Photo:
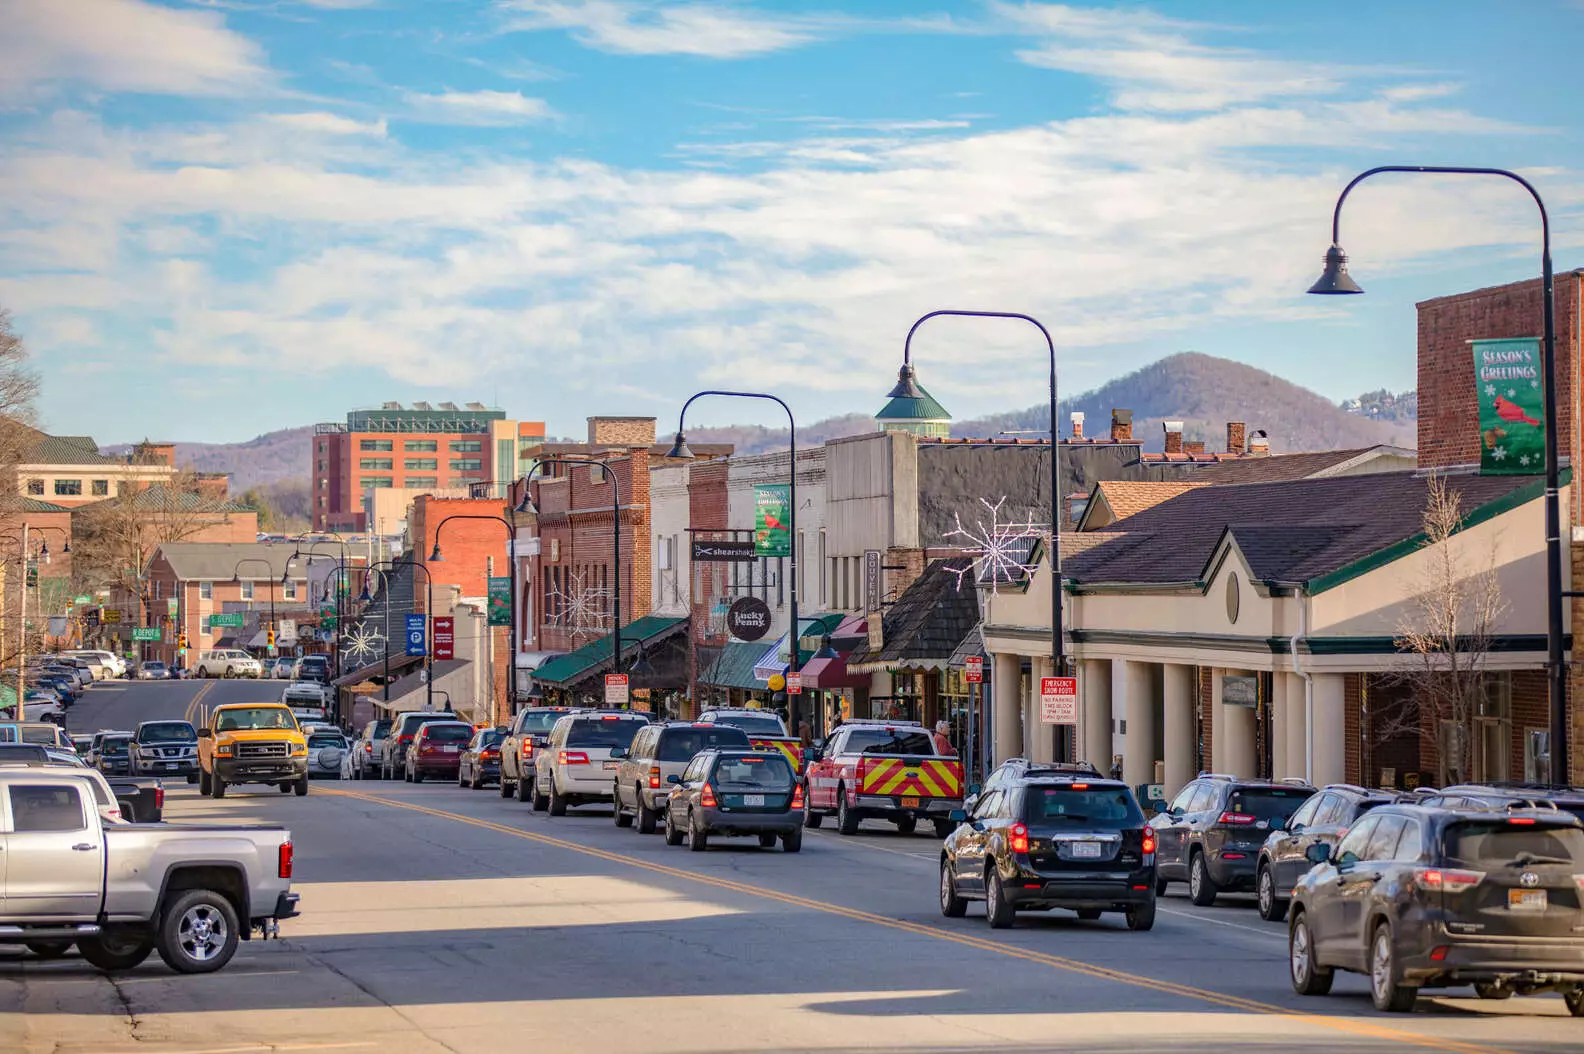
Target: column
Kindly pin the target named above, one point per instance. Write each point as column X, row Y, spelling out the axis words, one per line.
column 1095, row 684
column 1178, row 726
column 1280, row 766
column 1237, row 726
column 1218, row 744
column 1297, row 725
column 1040, row 746
column 1007, row 702
column 1330, row 737
column 1138, row 745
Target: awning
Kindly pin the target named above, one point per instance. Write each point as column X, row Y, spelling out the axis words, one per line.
column 594, row 658
column 831, row 674
column 398, row 663
column 815, row 629
column 411, row 691
column 734, row 668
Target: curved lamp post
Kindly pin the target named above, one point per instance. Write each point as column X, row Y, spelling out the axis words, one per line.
column 511, row 569
column 341, row 566
column 1336, row 280
column 365, row 598
column 235, row 577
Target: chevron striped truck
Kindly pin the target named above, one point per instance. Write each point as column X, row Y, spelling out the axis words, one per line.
column 883, row 770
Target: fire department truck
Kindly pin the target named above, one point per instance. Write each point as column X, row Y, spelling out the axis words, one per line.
column 885, row 770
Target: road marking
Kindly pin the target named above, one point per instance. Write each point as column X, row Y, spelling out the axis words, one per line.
column 1362, row 1028
column 192, row 707
column 1263, row 932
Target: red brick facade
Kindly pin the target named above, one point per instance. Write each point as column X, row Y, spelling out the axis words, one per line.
column 471, row 551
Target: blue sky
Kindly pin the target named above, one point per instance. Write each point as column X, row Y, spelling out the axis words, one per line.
column 220, row 217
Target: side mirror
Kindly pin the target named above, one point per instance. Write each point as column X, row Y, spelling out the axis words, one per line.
column 1318, row 853
column 204, row 733
column 958, row 815
column 673, row 778
column 974, row 789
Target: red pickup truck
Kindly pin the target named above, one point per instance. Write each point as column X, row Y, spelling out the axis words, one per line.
column 887, row 770
column 765, row 731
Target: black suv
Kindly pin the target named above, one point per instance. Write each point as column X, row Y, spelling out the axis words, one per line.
column 1425, row 897
column 1325, row 817
column 1057, row 841
column 1211, row 833
column 1506, row 796
column 314, row 668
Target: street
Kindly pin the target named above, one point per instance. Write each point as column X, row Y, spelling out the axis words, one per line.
column 440, row 919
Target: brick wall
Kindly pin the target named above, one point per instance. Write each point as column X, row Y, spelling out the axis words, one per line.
column 1352, row 727
column 621, row 431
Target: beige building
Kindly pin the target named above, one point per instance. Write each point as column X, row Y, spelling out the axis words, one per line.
column 70, row 471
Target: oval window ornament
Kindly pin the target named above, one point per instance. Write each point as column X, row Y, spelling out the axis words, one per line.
column 1234, row 597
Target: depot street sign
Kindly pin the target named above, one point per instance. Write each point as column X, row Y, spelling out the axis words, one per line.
column 224, row 618
column 151, row 633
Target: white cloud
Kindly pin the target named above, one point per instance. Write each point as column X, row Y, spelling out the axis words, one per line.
column 645, row 27
column 123, row 45
column 1419, row 92
column 329, row 124
column 480, row 108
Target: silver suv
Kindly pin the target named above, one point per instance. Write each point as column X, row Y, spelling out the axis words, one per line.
column 658, row 752
column 576, row 766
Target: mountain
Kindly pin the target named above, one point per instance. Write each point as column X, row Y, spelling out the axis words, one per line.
column 269, row 458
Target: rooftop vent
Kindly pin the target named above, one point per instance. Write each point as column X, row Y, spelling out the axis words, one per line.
column 448, row 406
column 422, row 406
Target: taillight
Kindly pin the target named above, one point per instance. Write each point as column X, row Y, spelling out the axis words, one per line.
column 285, row 860
column 488, row 754
column 404, row 739
column 368, row 748
column 573, row 757
column 707, row 799
column 159, row 797
column 1520, row 819
column 654, row 777
column 1149, row 840
column 527, row 748
column 797, row 796
column 1449, row 881
column 1241, row 819
column 1020, row 843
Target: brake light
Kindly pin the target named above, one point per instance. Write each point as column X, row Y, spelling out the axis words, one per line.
column 707, row 799
column 1241, row 819
column 1149, row 840
column 404, row 739
column 1438, row 954
column 797, row 800
column 654, row 777
column 368, row 748
column 610, row 717
column 159, row 797
column 488, row 754
column 573, row 757
column 1080, row 786
column 527, row 748
column 284, row 868
column 1520, row 819
column 1020, row 841
column 1449, row 881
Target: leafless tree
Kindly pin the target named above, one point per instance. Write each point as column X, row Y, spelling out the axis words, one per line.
column 19, row 386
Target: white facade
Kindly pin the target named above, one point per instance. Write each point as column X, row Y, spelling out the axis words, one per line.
column 669, row 518
column 771, row 578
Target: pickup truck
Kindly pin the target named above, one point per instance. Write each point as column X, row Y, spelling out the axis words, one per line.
column 252, row 743
column 889, row 770
column 765, row 731
column 307, row 700
column 121, row 891
column 528, row 732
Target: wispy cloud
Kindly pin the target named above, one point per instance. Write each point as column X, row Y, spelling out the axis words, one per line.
column 329, row 124
column 648, row 27
column 478, row 108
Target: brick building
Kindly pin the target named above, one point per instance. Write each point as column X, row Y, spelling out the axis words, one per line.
column 210, row 578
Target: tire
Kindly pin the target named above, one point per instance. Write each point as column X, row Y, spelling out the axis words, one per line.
column 673, row 834
column 846, row 819
column 285, row 788
column 198, row 932
column 1486, row 990
column 646, row 815
column 998, row 910
column 300, row 788
column 951, row 905
column 1271, row 907
column 1574, row 1001
column 558, row 802
column 1387, row 991
column 943, row 829
column 203, row 783
column 767, row 841
column 230, row 672
column 217, row 786
column 1141, row 917
column 476, row 782
column 698, row 840
column 507, row 790
column 49, row 949
column 1202, row 889
column 192, row 777
column 113, row 952
column 1088, row 914
column 1160, row 887
column 792, row 841
column 417, row 776
column 1308, row 976
column 811, row 819
column 622, row 817
column 907, row 824
column 540, row 801
column 523, row 789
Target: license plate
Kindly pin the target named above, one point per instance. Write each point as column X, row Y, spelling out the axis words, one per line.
column 910, row 803
column 753, row 799
column 1086, row 850
column 1526, row 900
column 449, row 750
column 172, row 765
column 612, row 765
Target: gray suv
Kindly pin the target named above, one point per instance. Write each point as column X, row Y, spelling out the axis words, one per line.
column 394, row 759
column 659, row 752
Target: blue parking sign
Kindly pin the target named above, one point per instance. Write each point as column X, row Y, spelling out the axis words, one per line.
column 416, row 644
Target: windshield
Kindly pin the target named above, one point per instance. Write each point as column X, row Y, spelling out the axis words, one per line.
column 491, row 738
column 438, row 733
column 680, row 744
column 1108, row 808
column 1268, row 803
column 254, row 717
column 890, row 741
column 381, row 729
column 114, row 747
column 769, row 772
column 411, row 723
column 753, row 724
column 42, row 736
column 1501, row 842
column 166, row 731
column 603, row 733
column 23, row 752
column 540, row 722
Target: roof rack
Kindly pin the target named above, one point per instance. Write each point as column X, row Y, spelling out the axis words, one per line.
column 1299, row 781
column 1061, row 768
column 882, row 721
column 1216, row 776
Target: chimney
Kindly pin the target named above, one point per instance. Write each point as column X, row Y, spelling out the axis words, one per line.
column 1077, row 424
column 1236, row 430
column 1121, row 425
column 1259, row 442
column 1174, row 430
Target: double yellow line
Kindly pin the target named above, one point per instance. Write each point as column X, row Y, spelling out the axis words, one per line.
column 191, row 715
column 1230, row 1002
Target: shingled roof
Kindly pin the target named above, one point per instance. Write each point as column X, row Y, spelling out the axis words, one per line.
column 66, row 450
column 928, row 621
column 1128, row 497
column 1276, row 467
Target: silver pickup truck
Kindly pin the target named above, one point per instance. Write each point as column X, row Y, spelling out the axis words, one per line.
column 121, row 891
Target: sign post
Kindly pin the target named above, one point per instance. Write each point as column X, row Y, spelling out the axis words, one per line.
column 416, row 635
column 444, row 638
column 1058, row 700
column 616, row 693
column 975, row 671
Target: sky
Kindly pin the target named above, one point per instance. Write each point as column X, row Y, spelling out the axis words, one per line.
column 222, row 217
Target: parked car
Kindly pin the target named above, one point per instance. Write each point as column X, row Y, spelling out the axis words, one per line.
column 326, row 749
column 30, row 754
column 252, row 743
column 1506, row 796
column 642, row 781
column 189, row 892
column 393, row 761
column 363, row 758
column 436, row 750
column 228, row 662
column 480, row 762
column 115, row 754
column 110, row 663
column 166, row 748
column 1325, row 817
column 576, row 766
column 285, row 668
column 314, row 668
column 736, row 792
column 308, row 700
column 1428, row 897
column 1211, row 833
column 153, row 670
column 528, row 733
column 766, row 731
column 888, row 770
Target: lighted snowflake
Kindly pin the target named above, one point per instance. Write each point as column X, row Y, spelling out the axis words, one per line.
column 1524, row 460
column 1512, row 393
column 1001, row 552
column 363, row 641
column 584, row 609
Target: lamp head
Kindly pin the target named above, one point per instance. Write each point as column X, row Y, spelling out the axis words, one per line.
column 434, row 554
column 44, row 553
column 526, row 507
column 826, row 651
column 641, row 665
column 67, row 547
column 1335, row 280
column 906, row 385
column 364, row 597
column 679, row 450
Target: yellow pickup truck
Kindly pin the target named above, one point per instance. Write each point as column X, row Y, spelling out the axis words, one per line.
column 252, row 743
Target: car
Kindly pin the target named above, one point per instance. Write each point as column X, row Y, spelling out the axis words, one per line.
column 642, row 781
column 252, row 743
column 59, row 683
column 228, row 662
column 76, row 669
column 308, row 700
column 153, row 670
column 115, row 754
column 189, row 892
column 285, row 668
column 45, row 733
column 1506, row 796
column 1013, row 769
column 326, row 749
column 313, row 668
column 393, row 762
column 362, row 760
column 165, row 748
column 1211, row 833
column 888, row 770
column 42, row 704
column 110, row 663
column 765, row 730
column 436, row 750
column 1423, row 896
column 1325, row 817
column 480, row 763
column 576, row 766
column 736, row 792
column 82, row 746
column 527, row 734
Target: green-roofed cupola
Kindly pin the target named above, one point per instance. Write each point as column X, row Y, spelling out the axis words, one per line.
column 909, row 408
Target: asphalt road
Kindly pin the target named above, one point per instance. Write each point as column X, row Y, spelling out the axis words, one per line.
column 440, row 919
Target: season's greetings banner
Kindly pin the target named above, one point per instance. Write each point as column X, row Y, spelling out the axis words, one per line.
column 1511, row 405
column 772, row 520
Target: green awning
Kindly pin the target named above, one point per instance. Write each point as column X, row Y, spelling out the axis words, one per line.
column 734, row 667
column 595, row 657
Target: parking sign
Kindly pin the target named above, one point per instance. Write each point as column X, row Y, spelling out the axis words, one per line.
column 416, row 635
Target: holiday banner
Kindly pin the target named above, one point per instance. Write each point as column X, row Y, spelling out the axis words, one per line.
column 1511, row 396
column 772, row 520
column 500, row 601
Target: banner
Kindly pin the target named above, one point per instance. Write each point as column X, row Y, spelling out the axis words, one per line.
column 1511, row 396
column 499, row 601
column 772, row 519
column 444, row 638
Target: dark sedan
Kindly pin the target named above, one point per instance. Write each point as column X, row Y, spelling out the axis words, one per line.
column 115, row 754
column 735, row 793
column 480, row 763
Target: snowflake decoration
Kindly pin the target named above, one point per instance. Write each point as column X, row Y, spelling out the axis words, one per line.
column 1524, row 460
column 1499, row 454
column 363, row 641
column 1490, row 389
column 1001, row 552
column 584, row 608
column 1534, row 384
column 1512, row 393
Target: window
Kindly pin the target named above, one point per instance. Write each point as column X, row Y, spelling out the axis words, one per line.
column 46, row 807
column 68, row 487
column 291, row 589
column 205, row 590
column 1305, row 814
column 35, row 487
column 1204, row 798
column 324, row 466
column 100, row 488
column 467, row 464
column 376, row 482
column 323, row 483
column 247, row 590
column 420, row 463
column 1268, row 803
column 1357, row 840
column 1410, row 846
column 421, row 446
column 423, row 481
column 377, row 463
column 375, row 444
column 1061, row 805
column 467, row 446
column 1383, row 843
column 822, row 567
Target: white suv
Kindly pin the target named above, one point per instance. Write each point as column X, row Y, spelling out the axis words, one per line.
column 228, row 662
column 576, row 766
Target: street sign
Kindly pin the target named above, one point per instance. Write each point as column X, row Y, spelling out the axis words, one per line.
column 150, row 633
column 975, row 671
column 415, row 635
column 81, row 601
column 224, row 618
column 794, row 683
column 111, row 615
column 444, row 638
column 1058, row 700
column 727, row 552
column 287, row 633
column 615, row 689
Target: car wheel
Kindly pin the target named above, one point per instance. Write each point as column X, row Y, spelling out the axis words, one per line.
column 792, row 841
column 846, row 819
column 673, row 834
column 114, row 950
column 203, row 783
column 1160, row 887
column 767, row 841
column 622, row 817
column 811, row 819
column 1487, row 990
column 1202, row 889
column 49, row 949
column 951, row 905
column 1574, row 1001
column 1387, row 991
column 646, row 815
column 907, row 824
column 285, row 788
column 192, row 778
column 998, row 909
column 1088, row 914
column 416, row 776
column 1308, row 976
column 540, row 801
column 943, row 828
column 507, row 790
column 198, row 932
column 1141, row 917
column 217, row 786
column 476, row 782
column 230, row 672
column 1271, row 908
column 300, row 788
column 698, row 839
column 558, row 802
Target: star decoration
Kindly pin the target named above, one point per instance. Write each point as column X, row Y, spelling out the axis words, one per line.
column 1499, row 454
column 1001, row 552
column 585, row 609
column 363, row 641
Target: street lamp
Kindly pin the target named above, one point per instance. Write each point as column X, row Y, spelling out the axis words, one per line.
column 514, row 637
column 44, row 555
column 340, row 568
column 236, row 579
column 364, row 598
column 1335, row 280
column 679, row 451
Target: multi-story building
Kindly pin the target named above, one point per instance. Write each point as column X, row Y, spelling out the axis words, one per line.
column 70, row 471
column 419, row 449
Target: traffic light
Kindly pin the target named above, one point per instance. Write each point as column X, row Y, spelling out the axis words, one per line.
column 181, row 643
column 269, row 638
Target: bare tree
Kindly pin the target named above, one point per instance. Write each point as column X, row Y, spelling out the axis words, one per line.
column 1445, row 636
column 18, row 388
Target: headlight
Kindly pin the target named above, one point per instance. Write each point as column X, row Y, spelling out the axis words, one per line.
column 222, row 750
column 299, row 749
